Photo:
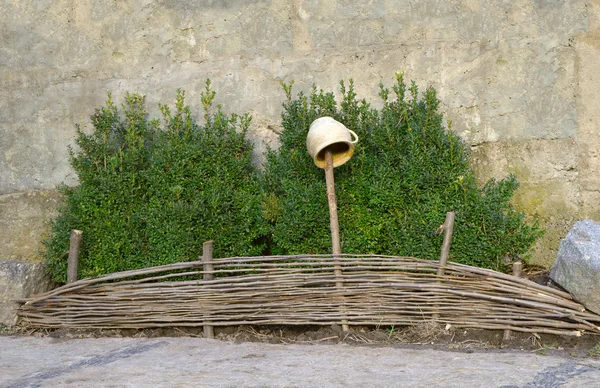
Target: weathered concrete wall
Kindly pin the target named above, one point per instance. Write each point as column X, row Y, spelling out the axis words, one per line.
column 517, row 78
column 19, row 280
column 24, row 218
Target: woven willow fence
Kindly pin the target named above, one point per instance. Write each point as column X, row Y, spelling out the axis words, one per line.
column 303, row 290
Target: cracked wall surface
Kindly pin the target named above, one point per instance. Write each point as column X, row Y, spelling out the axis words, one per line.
column 519, row 80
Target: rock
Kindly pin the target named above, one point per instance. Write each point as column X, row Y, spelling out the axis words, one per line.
column 577, row 266
column 19, row 280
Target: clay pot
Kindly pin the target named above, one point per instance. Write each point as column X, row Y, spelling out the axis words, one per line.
column 327, row 133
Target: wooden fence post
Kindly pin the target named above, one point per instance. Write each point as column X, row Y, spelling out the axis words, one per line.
column 448, row 228
column 73, row 261
column 516, row 271
column 334, row 226
column 207, row 255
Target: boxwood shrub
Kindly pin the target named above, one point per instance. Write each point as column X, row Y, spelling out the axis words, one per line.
column 408, row 170
column 151, row 192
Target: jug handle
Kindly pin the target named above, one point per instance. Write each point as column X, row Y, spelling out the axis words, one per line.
column 355, row 136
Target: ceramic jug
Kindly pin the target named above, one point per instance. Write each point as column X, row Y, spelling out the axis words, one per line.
column 326, row 132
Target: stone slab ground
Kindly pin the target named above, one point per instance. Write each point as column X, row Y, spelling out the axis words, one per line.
column 195, row 362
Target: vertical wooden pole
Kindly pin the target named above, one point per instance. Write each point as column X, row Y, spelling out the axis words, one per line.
column 73, row 261
column 333, row 216
column 334, row 224
column 207, row 255
column 517, row 267
column 448, row 227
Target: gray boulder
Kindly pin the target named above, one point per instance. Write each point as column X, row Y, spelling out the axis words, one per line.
column 577, row 266
column 19, row 280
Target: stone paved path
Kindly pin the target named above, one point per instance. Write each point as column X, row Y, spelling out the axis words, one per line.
column 193, row 362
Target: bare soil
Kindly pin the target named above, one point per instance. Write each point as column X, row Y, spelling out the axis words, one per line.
column 429, row 335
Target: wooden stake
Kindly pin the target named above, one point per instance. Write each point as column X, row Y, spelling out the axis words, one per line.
column 332, row 200
column 334, row 223
column 73, row 261
column 516, row 270
column 448, row 228
column 207, row 255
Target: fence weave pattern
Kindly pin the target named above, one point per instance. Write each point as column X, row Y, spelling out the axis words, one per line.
column 302, row 290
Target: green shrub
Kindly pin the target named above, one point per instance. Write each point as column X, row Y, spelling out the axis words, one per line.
column 151, row 193
column 406, row 173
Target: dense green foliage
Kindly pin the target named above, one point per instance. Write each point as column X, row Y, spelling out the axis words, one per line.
column 151, row 193
column 406, row 173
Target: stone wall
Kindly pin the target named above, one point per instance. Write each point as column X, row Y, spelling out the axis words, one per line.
column 19, row 280
column 518, row 79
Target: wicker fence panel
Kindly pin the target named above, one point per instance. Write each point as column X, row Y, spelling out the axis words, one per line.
column 303, row 290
